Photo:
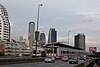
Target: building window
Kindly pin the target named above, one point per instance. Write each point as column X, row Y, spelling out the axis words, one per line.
column 61, row 52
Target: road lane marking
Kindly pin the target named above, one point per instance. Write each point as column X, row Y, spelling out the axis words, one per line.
column 40, row 64
column 56, row 65
column 62, row 64
column 59, row 65
column 27, row 66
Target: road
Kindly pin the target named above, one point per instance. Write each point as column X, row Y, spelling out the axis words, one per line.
column 58, row 63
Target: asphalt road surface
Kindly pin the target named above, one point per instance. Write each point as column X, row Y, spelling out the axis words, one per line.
column 58, row 63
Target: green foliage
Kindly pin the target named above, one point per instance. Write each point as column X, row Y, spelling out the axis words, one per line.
column 96, row 54
column 1, row 53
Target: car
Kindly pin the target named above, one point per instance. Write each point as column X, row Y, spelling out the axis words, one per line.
column 73, row 60
column 64, row 58
column 49, row 59
column 81, row 58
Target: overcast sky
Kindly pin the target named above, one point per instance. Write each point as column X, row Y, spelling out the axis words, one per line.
column 78, row 16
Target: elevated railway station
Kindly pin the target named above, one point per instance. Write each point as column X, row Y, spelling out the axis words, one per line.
column 59, row 49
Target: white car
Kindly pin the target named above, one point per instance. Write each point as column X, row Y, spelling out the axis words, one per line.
column 50, row 59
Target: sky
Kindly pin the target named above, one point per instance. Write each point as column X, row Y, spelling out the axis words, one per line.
column 77, row 16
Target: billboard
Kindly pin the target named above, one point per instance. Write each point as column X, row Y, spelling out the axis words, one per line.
column 91, row 49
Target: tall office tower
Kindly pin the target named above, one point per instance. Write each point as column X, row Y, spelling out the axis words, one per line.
column 42, row 39
column 52, row 35
column 80, row 41
column 31, row 34
column 4, row 24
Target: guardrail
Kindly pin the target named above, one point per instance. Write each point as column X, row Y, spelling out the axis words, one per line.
column 19, row 60
column 94, row 63
column 5, row 61
column 85, row 64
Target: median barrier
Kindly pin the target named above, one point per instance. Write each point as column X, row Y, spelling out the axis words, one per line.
column 6, row 61
column 84, row 64
column 20, row 60
column 79, row 65
column 94, row 63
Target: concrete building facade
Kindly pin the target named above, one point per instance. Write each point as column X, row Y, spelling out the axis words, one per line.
column 16, row 49
column 4, row 24
column 80, row 41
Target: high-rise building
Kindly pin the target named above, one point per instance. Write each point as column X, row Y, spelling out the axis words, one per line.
column 42, row 39
column 31, row 33
column 4, row 24
column 80, row 41
column 21, row 38
column 52, row 35
column 24, row 39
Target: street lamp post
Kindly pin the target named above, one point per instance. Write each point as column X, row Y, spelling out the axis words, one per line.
column 38, row 15
column 68, row 41
column 37, row 32
column 68, row 36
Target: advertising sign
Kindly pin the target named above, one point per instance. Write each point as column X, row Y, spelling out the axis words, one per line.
column 91, row 49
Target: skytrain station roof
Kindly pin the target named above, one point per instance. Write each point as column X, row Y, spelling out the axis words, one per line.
column 58, row 44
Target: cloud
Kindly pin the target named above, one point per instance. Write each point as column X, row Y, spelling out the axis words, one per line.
column 59, row 19
column 41, row 27
column 94, row 15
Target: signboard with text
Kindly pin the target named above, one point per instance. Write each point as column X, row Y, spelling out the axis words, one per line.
column 91, row 49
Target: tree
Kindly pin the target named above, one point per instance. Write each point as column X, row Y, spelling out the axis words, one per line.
column 96, row 54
